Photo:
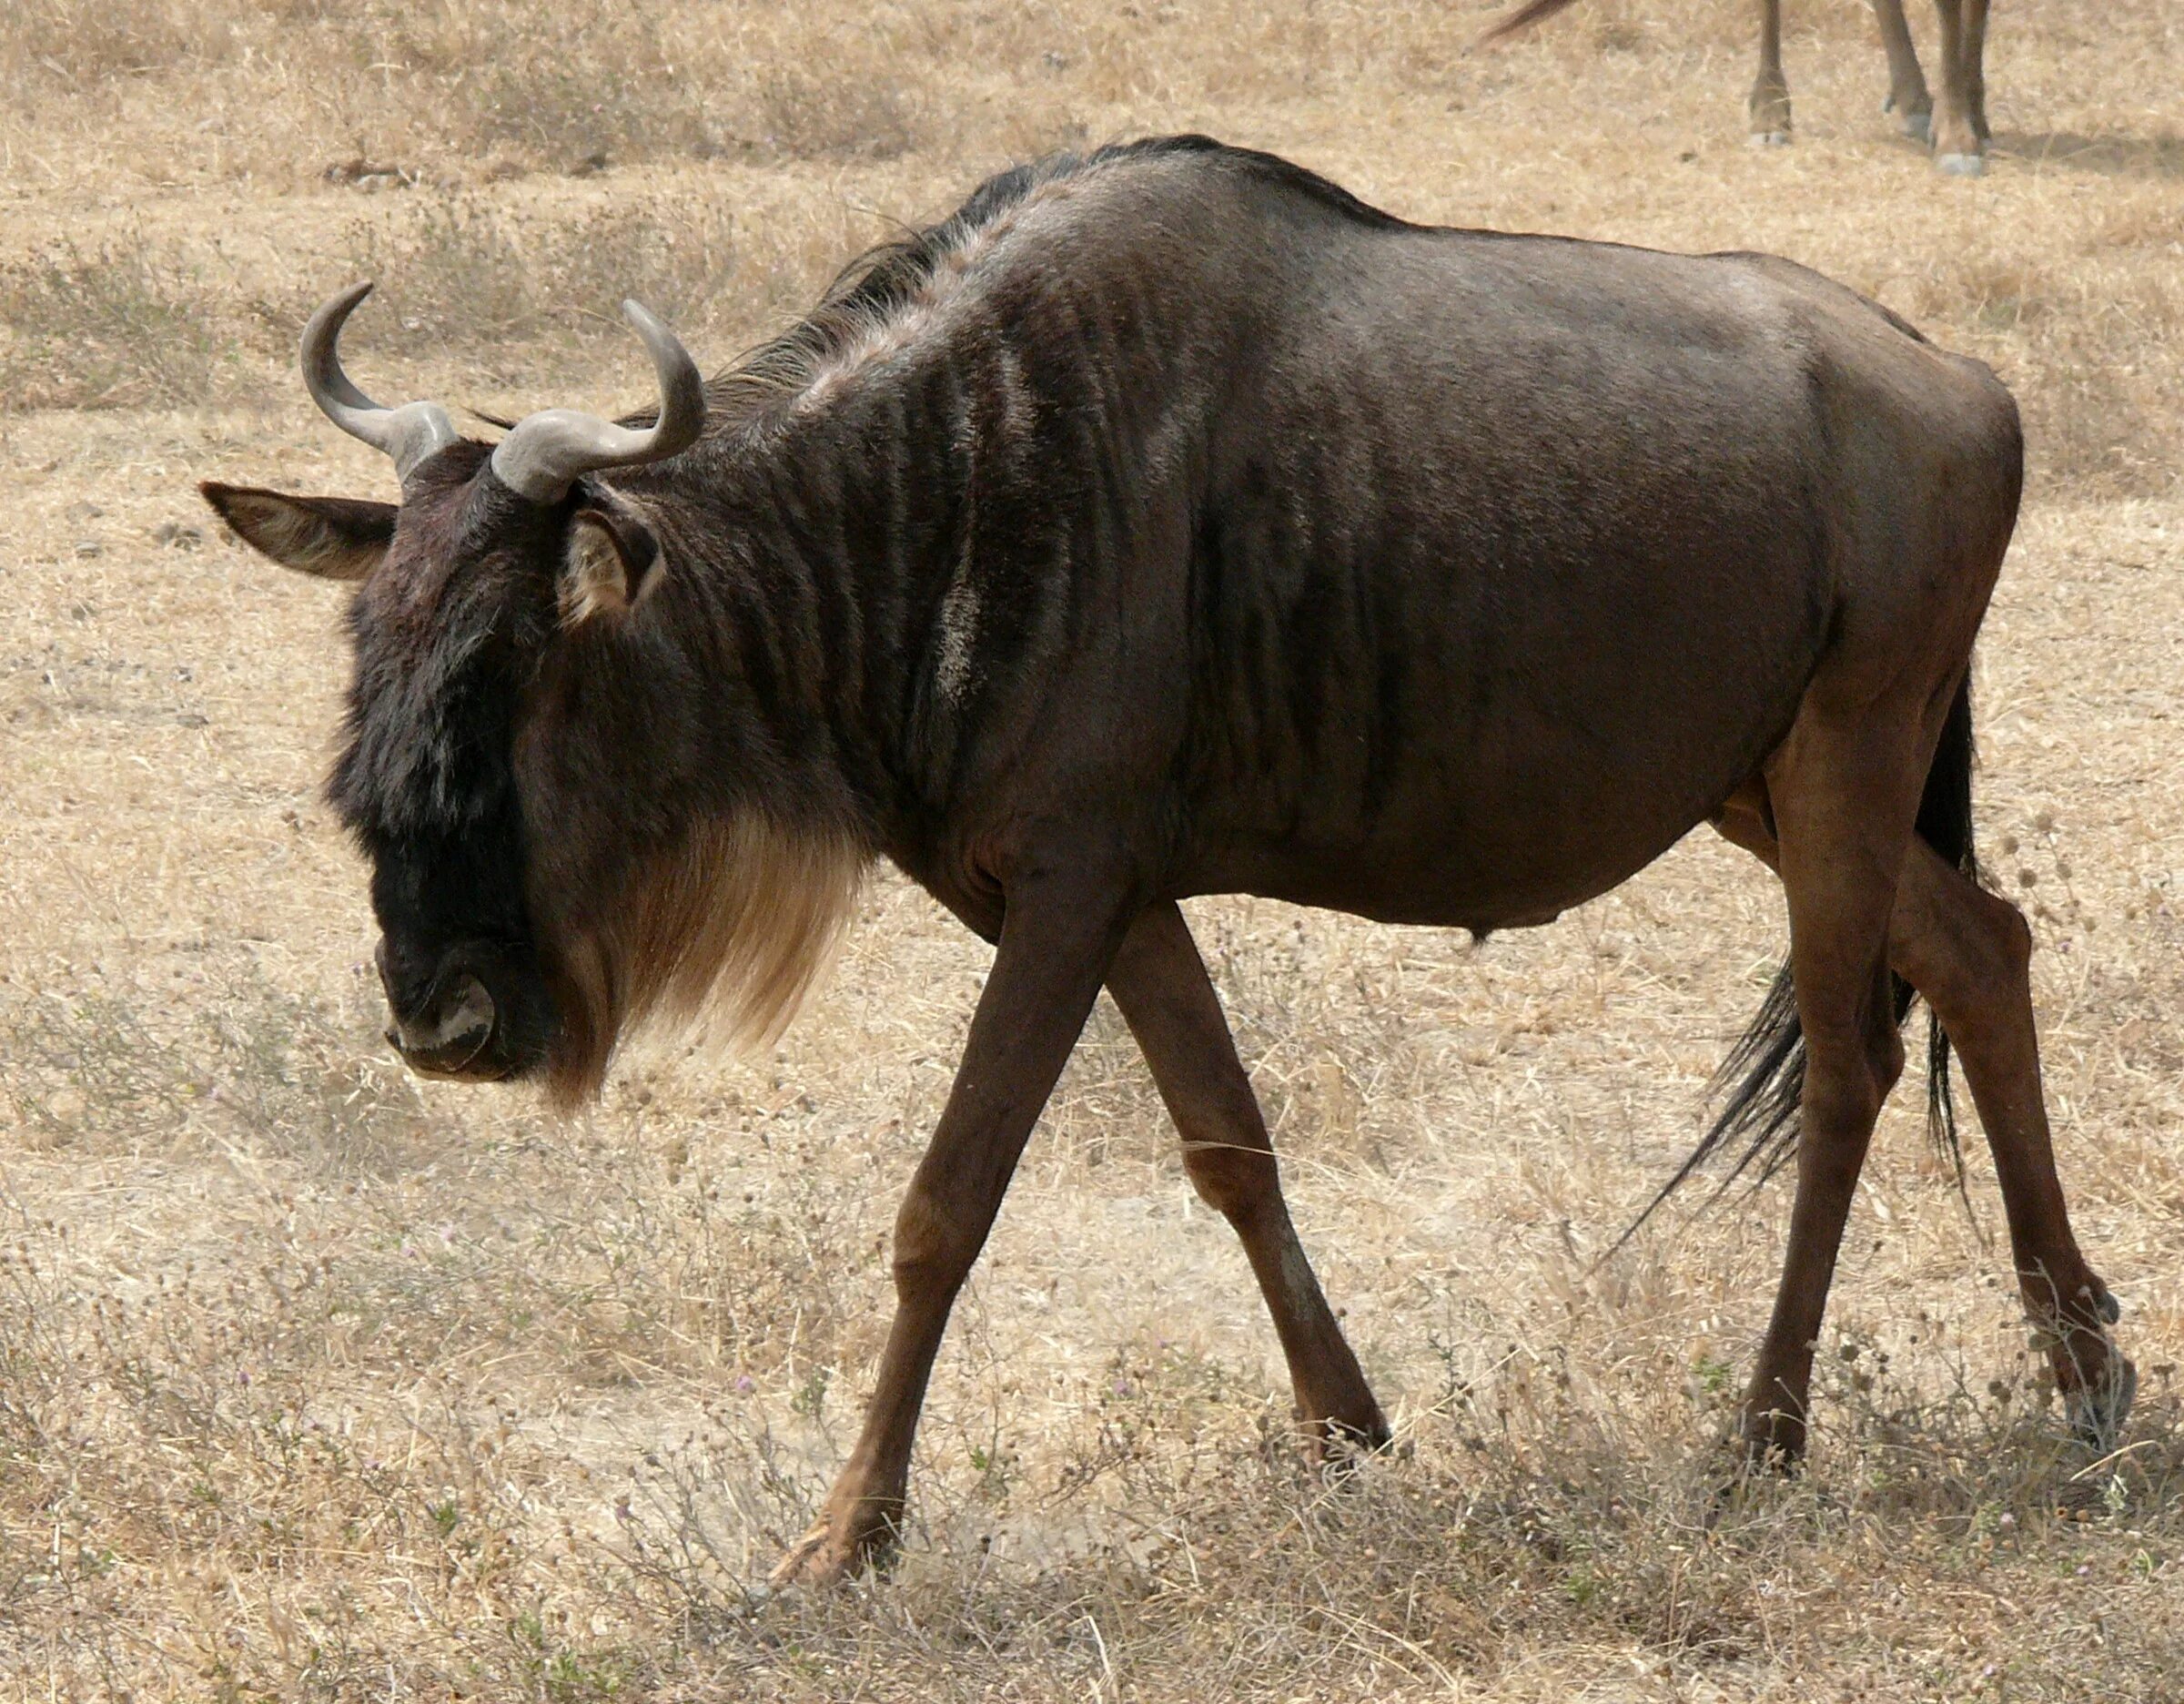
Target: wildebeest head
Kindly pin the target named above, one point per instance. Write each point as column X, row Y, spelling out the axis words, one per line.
column 497, row 953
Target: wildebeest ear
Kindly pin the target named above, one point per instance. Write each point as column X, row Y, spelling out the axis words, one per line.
column 614, row 558
column 332, row 538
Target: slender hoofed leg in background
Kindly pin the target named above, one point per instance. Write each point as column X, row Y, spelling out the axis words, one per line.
column 1960, row 144
column 1973, row 44
column 1769, row 106
column 1908, row 97
column 1160, row 983
column 1057, row 939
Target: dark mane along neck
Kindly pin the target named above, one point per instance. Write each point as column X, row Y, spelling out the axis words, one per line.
column 889, row 277
column 904, row 508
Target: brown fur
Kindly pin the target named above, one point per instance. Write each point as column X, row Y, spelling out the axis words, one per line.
column 729, row 929
column 1228, row 535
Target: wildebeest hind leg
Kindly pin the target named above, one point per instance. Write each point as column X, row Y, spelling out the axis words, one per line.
column 1960, row 144
column 1160, row 983
column 1969, row 953
column 1058, row 937
column 1844, row 792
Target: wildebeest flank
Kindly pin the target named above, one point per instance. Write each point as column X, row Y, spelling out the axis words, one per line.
column 1166, row 522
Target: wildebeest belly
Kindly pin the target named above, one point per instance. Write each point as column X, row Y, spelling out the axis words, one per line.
column 1486, row 614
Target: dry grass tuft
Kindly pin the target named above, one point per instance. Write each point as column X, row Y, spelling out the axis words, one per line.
column 119, row 327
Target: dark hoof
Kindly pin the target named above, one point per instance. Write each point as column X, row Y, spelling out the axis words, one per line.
column 2108, row 1307
column 1756, row 1468
column 2098, row 1411
column 1336, row 1451
column 1771, row 1460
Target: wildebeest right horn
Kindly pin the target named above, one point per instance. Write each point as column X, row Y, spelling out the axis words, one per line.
column 546, row 452
column 409, row 433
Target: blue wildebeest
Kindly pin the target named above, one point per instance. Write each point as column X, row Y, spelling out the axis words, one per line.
column 1955, row 124
column 1167, row 522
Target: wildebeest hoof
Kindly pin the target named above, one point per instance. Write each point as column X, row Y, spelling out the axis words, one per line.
column 1961, row 164
column 1918, row 125
column 1769, row 138
column 2097, row 1410
column 831, row 1555
column 1338, row 1448
column 811, row 1563
column 2109, row 1309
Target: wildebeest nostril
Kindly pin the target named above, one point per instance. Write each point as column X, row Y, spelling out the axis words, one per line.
column 463, row 1015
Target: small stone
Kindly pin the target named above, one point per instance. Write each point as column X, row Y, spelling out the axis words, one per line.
column 88, row 548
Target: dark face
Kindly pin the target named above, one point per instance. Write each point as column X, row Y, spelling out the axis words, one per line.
column 444, row 632
column 461, row 599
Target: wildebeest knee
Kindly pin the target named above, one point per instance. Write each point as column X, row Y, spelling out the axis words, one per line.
column 1844, row 1085
column 2006, row 944
column 1228, row 1179
column 933, row 1247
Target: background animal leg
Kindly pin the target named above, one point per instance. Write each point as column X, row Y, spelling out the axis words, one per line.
column 1160, row 983
column 1844, row 800
column 1908, row 99
column 1769, row 106
column 1957, row 145
column 1055, row 947
column 1974, row 66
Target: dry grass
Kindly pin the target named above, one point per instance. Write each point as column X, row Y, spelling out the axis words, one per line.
column 315, row 1382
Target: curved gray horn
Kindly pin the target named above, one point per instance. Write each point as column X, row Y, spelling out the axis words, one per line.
column 409, row 433
column 546, row 452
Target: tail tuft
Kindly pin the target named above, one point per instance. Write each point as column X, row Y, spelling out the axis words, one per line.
column 1762, row 1082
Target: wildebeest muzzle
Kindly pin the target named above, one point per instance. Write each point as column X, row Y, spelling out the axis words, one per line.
column 463, row 1021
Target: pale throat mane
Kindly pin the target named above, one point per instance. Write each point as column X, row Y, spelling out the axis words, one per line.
column 723, row 933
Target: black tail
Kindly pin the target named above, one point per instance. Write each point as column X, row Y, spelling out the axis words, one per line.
column 1767, row 1068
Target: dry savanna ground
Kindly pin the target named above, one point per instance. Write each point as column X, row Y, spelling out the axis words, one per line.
column 318, row 1382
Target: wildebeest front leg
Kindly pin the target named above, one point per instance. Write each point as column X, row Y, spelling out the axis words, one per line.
column 1056, row 939
column 1160, row 983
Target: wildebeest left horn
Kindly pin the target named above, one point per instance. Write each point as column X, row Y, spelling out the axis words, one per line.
column 409, row 433
column 546, row 452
